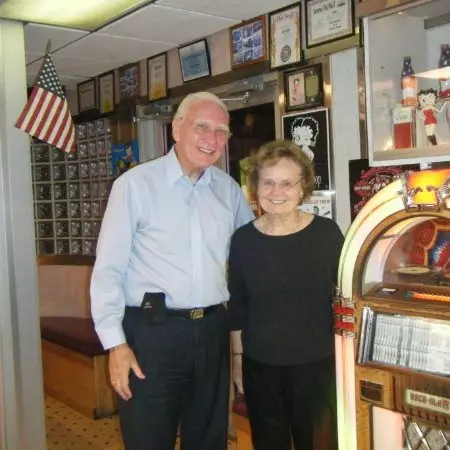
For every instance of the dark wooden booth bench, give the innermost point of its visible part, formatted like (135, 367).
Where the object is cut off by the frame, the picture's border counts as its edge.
(75, 366)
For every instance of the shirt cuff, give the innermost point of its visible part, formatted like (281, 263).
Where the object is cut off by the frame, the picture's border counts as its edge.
(111, 337)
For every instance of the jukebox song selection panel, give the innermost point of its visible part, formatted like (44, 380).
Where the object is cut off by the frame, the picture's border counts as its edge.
(415, 343)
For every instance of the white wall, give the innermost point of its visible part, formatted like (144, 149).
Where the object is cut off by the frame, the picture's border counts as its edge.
(22, 424)
(344, 127)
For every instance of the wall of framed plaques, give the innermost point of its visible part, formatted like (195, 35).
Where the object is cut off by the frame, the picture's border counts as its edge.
(71, 191)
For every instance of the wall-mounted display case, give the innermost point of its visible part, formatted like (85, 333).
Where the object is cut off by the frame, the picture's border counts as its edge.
(71, 191)
(407, 74)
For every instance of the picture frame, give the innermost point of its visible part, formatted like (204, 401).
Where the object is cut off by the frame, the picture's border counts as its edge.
(106, 92)
(321, 203)
(87, 95)
(248, 42)
(157, 77)
(194, 60)
(303, 88)
(285, 36)
(310, 131)
(129, 81)
(328, 21)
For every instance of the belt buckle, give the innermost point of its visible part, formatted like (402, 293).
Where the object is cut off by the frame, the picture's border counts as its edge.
(197, 313)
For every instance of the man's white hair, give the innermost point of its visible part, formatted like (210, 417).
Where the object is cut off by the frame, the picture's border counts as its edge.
(190, 99)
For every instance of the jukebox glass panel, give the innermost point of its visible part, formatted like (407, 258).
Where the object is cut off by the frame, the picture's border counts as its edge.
(410, 260)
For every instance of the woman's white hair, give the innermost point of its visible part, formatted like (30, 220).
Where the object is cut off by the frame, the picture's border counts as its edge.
(190, 99)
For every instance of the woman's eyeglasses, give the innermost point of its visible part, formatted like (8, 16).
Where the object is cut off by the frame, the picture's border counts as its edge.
(284, 185)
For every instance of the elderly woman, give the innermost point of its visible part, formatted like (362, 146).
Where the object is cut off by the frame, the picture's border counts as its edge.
(282, 269)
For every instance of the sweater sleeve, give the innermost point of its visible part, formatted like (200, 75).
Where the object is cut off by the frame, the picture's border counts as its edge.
(238, 295)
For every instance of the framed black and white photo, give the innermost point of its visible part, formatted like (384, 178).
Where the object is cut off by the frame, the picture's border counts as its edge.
(328, 21)
(285, 36)
(106, 92)
(303, 88)
(87, 95)
(320, 204)
(194, 60)
(157, 77)
(248, 42)
(310, 131)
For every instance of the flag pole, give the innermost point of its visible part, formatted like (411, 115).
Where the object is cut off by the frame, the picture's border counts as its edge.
(49, 47)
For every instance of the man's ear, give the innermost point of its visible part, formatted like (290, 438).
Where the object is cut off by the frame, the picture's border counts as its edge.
(176, 124)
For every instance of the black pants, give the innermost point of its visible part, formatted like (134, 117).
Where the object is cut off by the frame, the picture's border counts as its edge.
(291, 403)
(186, 364)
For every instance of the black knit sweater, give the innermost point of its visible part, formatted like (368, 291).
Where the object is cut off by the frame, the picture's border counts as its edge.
(280, 292)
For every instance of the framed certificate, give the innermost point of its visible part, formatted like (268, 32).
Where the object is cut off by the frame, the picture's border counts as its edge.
(285, 36)
(194, 60)
(87, 95)
(328, 21)
(157, 77)
(303, 88)
(248, 42)
(106, 92)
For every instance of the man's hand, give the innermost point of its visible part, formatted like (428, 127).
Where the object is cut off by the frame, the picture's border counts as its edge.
(121, 360)
(237, 373)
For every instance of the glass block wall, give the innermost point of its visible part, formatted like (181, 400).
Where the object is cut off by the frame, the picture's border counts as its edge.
(71, 191)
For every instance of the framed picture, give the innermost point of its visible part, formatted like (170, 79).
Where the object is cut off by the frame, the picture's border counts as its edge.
(157, 77)
(248, 42)
(320, 203)
(366, 181)
(129, 81)
(303, 88)
(309, 130)
(285, 36)
(87, 95)
(328, 21)
(194, 60)
(106, 92)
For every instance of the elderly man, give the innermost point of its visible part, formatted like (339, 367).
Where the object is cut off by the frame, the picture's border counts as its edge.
(158, 287)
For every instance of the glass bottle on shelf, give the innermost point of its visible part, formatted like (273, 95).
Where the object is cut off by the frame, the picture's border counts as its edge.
(408, 83)
(444, 62)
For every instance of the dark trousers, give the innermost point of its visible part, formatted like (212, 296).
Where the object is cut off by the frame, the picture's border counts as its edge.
(293, 403)
(186, 364)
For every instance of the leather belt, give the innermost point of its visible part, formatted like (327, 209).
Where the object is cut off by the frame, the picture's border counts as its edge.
(195, 313)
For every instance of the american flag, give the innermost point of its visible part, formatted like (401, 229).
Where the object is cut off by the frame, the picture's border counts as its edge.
(46, 114)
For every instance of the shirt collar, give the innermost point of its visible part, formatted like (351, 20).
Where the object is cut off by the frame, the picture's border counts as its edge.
(174, 171)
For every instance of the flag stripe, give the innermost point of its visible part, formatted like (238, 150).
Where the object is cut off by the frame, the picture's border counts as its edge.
(32, 107)
(53, 108)
(56, 111)
(37, 116)
(45, 113)
(56, 131)
(20, 122)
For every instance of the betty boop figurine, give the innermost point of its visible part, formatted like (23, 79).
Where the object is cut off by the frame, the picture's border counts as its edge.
(427, 112)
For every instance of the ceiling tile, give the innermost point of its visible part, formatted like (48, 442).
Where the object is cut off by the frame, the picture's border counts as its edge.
(233, 9)
(82, 67)
(66, 80)
(157, 23)
(113, 48)
(37, 36)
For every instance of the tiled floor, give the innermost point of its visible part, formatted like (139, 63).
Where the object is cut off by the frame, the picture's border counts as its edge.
(68, 430)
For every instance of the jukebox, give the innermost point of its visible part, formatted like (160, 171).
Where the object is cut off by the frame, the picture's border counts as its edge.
(392, 319)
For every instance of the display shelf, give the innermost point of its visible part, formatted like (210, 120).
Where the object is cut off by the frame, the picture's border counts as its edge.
(405, 59)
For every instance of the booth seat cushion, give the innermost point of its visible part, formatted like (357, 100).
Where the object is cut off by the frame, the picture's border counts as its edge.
(75, 333)
(239, 406)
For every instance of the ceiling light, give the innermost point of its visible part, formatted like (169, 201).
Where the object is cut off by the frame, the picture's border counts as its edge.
(81, 14)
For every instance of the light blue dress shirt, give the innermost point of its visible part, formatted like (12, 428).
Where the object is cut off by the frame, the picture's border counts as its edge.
(161, 233)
